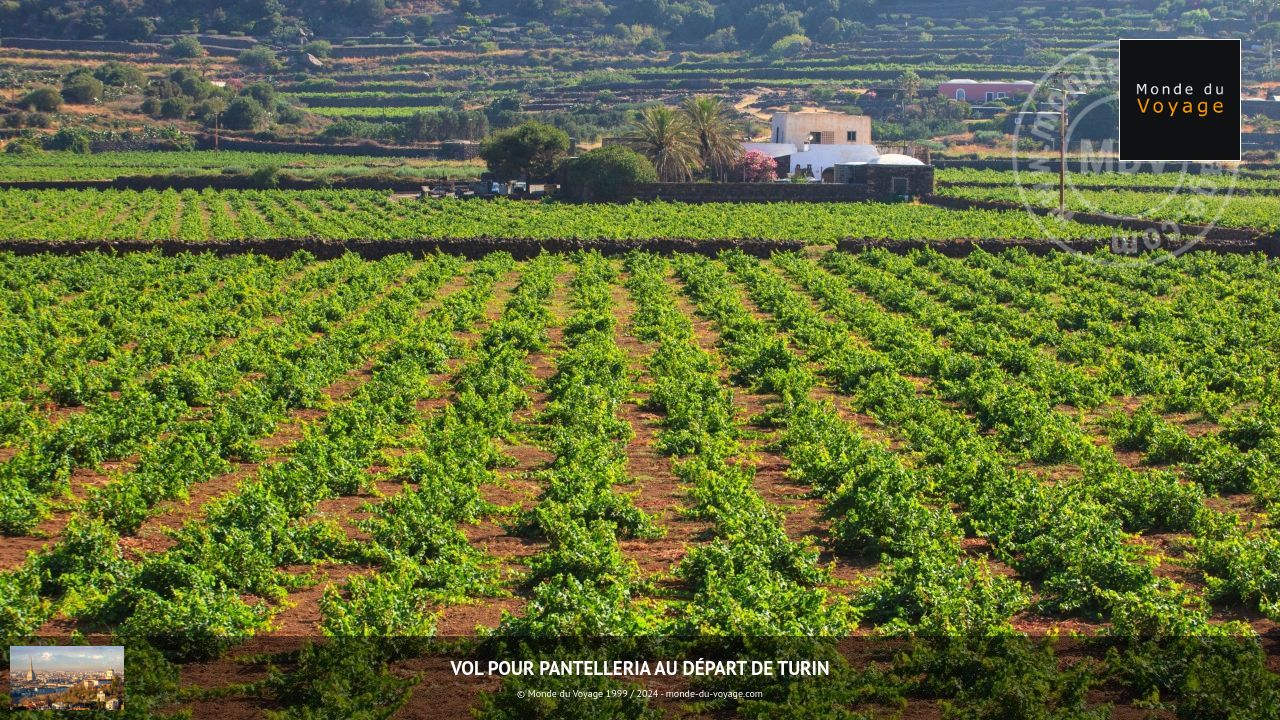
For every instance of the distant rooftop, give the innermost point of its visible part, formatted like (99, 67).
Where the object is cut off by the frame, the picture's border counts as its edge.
(996, 82)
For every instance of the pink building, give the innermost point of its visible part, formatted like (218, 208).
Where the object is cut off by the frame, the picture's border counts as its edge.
(974, 91)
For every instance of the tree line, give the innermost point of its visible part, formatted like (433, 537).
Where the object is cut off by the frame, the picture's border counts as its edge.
(698, 140)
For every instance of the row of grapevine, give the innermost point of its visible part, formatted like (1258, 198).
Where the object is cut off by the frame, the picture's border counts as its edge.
(413, 553)
(751, 579)
(64, 166)
(81, 570)
(984, 454)
(926, 586)
(581, 586)
(1242, 457)
(1077, 561)
(1085, 565)
(151, 406)
(92, 215)
(1210, 205)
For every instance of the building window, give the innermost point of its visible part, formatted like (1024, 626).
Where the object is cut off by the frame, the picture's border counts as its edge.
(990, 96)
(777, 135)
(815, 138)
(899, 186)
(851, 135)
(960, 93)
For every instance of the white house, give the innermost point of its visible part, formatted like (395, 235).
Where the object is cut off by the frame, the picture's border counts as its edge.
(816, 141)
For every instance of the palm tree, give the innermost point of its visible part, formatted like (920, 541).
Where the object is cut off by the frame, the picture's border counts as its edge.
(714, 132)
(664, 136)
(908, 86)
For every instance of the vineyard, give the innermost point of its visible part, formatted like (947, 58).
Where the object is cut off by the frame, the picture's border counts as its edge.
(62, 166)
(204, 216)
(319, 412)
(1210, 203)
(299, 486)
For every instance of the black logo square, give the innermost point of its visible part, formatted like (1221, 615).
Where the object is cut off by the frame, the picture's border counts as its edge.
(1180, 100)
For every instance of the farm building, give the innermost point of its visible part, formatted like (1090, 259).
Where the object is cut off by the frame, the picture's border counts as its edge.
(814, 142)
(984, 91)
(820, 128)
(888, 175)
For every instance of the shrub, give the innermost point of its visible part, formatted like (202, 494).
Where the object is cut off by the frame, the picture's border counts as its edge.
(722, 39)
(788, 45)
(244, 113)
(120, 74)
(262, 92)
(43, 99)
(186, 47)
(530, 151)
(259, 58)
(72, 140)
(23, 146)
(651, 44)
(604, 173)
(290, 115)
(319, 48)
(188, 82)
(265, 177)
(756, 167)
(82, 90)
(175, 108)
(208, 111)
(22, 118)
(137, 28)
(987, 137)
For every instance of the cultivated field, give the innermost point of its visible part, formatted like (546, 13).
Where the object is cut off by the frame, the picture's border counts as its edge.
(202, 216)
(305, 443)
(64, 166)
(204, 455)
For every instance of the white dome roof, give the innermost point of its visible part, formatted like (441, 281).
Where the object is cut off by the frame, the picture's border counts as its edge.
(895, 159)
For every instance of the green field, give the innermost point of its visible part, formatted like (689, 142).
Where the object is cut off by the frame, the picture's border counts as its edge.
(1213, 205)
(1243, 180)
(49, 166)
(60, 215)
(304, 443)
(203, 451)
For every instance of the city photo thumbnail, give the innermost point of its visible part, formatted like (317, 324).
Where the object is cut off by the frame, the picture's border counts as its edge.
(66, 677)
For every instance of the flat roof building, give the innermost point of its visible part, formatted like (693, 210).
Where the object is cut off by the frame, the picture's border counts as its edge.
(816, 141)
(819, 128)
(975, 91)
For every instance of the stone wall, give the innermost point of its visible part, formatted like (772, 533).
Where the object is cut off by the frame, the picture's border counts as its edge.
(119, 46)
(1260, 141)
(440, 151)
(1267, 108)
(878, 181)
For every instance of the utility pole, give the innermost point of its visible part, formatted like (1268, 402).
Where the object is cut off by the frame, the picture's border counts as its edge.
(217, 116)
(1062, 157)
(1062, 143)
